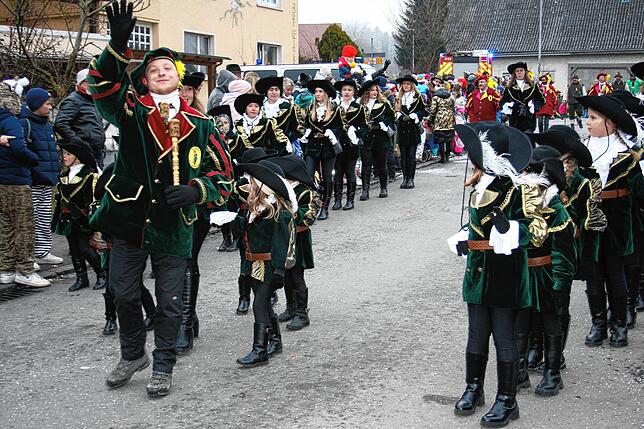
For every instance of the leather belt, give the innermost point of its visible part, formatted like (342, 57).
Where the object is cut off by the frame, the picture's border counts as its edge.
(479, 245)
(258, 256)
(540, 261)
(302, 228)
(67, 210)
(615, 193)
(318, 136)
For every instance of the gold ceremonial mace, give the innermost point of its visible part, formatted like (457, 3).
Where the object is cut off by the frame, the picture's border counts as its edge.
(175, 131)
(174, 127)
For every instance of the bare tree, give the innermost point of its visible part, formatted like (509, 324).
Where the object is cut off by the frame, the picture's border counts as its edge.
(48, 38)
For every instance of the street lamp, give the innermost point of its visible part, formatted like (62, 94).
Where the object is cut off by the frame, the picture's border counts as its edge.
(540, 36)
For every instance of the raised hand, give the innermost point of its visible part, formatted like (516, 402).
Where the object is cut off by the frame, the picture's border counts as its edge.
(121, 23)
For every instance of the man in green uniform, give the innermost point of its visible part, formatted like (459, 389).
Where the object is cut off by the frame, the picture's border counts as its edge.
(161, 173)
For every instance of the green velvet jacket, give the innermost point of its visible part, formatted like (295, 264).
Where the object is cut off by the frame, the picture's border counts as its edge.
(375, 137)
(502, 280)
(560, 245)
(263, 235)
(133, 207)
(307, 210)
(72, 201)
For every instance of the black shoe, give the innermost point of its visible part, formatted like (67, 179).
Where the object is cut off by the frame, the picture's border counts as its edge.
(383, 193)
(101, 280)
(234, 247)
(618, 334)
(365, 194)
(300, 321)
(274, 299)
(392, 179)
(148, 322)
(110, 327)
(326, 201)
(244, 305)
(286, 315)
(274, 339)
(125, 369)
(337, 194)
(535, 352)
(410, 183)
(351, 195)
(551, 382)
(523, 379)
(226, 242)
(505, 406)
(474, 395)
(159, 384)
(80, 268)
(244, 295)
(258, 355)
(185, 336)
(631, 317)
(81, 283)
(598, 330)
(403, 185)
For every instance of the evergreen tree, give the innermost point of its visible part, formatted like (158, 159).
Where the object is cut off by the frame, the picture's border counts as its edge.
(331, 43)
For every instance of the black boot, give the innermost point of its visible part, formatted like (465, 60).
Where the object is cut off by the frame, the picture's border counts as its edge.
(258, 355)
(551, 382)
(618, 331)
(301, 318)
(226, 239)
(110, 315)
(326, 201)
(81, 275)
(564, 323)
(383, 188)
(337, 194)
(523, 380)
(535, 352)
(101, 280)
(474, 395)
(274, 299)
(244, 295)
(598, 330)
(274, 339)
(185, 336)
(631, 316)
(234, 246)
(505, 406)
(366, 183)
(289, 311)
(351, 195)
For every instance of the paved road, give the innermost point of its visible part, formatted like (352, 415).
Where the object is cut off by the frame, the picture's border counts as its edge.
(385, 347)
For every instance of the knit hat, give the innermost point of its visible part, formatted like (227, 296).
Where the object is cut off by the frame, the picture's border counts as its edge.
(349, 51)
(81, 76)
(36, 97)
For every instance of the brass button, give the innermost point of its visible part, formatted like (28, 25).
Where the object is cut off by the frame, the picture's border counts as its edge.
(480, 270)
(157, 181)
(118, 196)
(468, 270)
(154, 201)
(148, 221)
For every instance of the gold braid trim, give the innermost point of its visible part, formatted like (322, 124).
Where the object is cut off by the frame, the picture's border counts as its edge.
(214, 158)
(202, 188)
(581, 186)
(560, 227)
(532, 203)
(116, 55)
(477, 230)
(625, 173)
(596, 220)
(279, 133)
(503, 205)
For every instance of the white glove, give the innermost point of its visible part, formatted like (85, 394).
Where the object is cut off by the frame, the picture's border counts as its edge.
(398, 114)
(452, 241)
(289, 147)
(331, 136)
(222, 217)
(351, 132)
(383, 126)
(305, 137)
(503, 244)
(531, 106)
(414, 116)
(507, 108)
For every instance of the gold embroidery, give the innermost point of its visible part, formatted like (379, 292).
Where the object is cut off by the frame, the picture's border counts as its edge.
(258, 270)
(560, 227)
(117, 55)
(488, 198)
(532, 201)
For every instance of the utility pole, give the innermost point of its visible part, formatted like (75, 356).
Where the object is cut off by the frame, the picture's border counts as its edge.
(540, 37)
(413, 52)
(371, 62)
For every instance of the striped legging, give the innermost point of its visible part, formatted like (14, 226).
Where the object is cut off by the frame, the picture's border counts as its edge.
(41, 196)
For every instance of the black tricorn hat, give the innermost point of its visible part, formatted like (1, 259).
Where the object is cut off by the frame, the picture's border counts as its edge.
(347, 82)
(223, 109)
(407, 78)
(255, 154)
(633, 104)
(507, 141)
(194, 79)
(244, 100)
(548, 157)
(82, 151)
(564, 139)
(323, 84)
(520, 65)
(366, 86)
(294, 169)
(638, 69)
(264, 84)
(613, 109)
(269, 174)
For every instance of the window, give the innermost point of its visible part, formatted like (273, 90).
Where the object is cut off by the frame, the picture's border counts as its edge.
(202, 44)
(141, 37)
(269, 54)
(270, 3)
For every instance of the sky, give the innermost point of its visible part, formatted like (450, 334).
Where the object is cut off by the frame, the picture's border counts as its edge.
(371, 12)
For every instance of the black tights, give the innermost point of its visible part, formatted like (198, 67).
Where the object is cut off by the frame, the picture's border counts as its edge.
(327, 167)
(499, 322)
(262, 308)
(345, 165)
(408, 160)
(376, 158)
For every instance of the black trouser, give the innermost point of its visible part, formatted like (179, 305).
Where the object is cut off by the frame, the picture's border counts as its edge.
(81, 251)
(499, 322)
(345, 165)
(375, 158)
(549, 321)
(262, 308)
(327, 167)
(295, 285)
(408, 160)
(200, 232)
(391, 163)
(443, 138)
(110, 305)
(609, 278)
(127, 263)
(543, 121)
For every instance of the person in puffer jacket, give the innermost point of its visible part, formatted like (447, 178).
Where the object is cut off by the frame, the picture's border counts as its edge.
(39, 137)
(442, 120)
